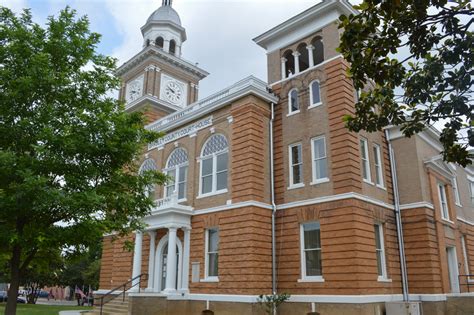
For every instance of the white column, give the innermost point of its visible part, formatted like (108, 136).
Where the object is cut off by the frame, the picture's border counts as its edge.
(283, 67)
(171, 261)
(297, 61)
(151, 261)
(137, 260)
(310, 49)
(186, 253)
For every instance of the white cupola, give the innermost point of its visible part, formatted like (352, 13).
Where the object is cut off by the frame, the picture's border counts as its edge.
(163, 29)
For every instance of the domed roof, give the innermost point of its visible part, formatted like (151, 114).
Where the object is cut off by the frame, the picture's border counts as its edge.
(165, 13)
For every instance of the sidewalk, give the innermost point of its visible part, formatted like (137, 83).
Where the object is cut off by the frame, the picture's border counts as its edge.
(71, 312)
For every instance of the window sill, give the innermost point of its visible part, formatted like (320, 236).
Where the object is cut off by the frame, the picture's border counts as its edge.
(210, 279)
(293, 113)
(219, 192)
(315, 105)
(383, 279)
(311, 279)
(295, 186)
(447, 220)
(381, 187)
(368, 182)
(319, 181)
(458, 205)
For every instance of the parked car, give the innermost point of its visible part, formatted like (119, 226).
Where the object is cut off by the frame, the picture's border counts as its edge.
(4, 298)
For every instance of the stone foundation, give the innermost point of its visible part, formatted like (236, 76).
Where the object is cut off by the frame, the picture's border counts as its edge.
(148, 305)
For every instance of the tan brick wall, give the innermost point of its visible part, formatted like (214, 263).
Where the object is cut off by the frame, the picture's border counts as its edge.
(244, 251)
(347, 248)
(249, 151)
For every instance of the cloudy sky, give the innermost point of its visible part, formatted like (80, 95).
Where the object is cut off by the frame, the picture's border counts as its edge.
(219, 32)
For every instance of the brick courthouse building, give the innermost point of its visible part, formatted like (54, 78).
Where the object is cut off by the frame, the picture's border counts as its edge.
(262, 161)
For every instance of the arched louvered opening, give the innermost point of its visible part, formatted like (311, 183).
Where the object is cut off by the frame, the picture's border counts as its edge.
(303, 58)
(289, 63)
(172, 47)
(159, 42)
(318, 51)
(148, 165)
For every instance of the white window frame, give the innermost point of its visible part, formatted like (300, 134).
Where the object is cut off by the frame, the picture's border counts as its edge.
(457, 199)
(312, 104)
(378, 166)
(466, 259)
(290, 112)
(470, 180)
(290, 163)
(314, 159)
(365, 160)
(177, 169)
(378, 230)
(214, 156)
(443, 202)
(208, 278)
(304, 277)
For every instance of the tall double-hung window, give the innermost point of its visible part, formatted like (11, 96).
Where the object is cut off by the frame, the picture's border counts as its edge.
(296, 165)
(177, 171)
(293, 103)
(320, 163)
(311, 263)
(212, 254)
(315, 94)
(443, 201)
(364, 151)
(380, 252)
(378, 166)
(214, 165)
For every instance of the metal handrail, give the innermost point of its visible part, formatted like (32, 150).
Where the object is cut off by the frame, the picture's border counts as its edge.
(120, 287)
(469, 281)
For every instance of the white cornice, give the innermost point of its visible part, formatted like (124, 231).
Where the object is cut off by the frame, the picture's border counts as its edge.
(153, 100)
(465, 221)
(248, 86)
(351, 195)
(161, 55)
(304, 24)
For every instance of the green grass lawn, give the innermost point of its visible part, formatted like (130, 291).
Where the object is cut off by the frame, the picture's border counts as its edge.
(25, 309)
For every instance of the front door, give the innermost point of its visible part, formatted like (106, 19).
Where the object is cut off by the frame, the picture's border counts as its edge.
(453, 269)
(164, 266)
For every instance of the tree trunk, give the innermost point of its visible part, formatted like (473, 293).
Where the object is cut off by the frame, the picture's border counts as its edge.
(14, 281)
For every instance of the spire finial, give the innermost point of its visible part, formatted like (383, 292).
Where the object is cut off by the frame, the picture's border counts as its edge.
(167, 2)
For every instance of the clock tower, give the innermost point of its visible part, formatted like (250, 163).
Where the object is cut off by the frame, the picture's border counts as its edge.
(158, 80)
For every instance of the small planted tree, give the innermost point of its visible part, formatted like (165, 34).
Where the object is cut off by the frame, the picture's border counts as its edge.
(68, 151)
(272, 302)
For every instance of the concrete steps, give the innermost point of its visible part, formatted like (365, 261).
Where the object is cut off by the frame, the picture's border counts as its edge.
(117, 306)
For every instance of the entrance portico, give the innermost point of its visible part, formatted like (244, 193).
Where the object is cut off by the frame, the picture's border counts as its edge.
(168, 261)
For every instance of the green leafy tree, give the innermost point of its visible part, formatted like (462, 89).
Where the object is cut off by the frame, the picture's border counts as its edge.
(435, 77)
(68, 150)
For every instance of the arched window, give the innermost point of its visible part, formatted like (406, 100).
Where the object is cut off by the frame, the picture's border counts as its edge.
(293, 104)
(172, 47)
(303, 58)
(159, 42)
(214, 161)
(315, 94)
(318, 52)
(148, 165)
(289, 63)
(177, 170)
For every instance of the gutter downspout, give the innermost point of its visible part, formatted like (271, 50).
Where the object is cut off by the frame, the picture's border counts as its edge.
(272, 190)
(398, 218)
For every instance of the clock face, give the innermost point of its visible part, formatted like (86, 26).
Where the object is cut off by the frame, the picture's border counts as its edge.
(134, 90)
(174, 92)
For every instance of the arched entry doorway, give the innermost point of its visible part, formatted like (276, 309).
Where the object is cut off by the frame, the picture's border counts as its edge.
(161, 265)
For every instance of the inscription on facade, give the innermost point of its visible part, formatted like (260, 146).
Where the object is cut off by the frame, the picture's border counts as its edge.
(186, 131)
